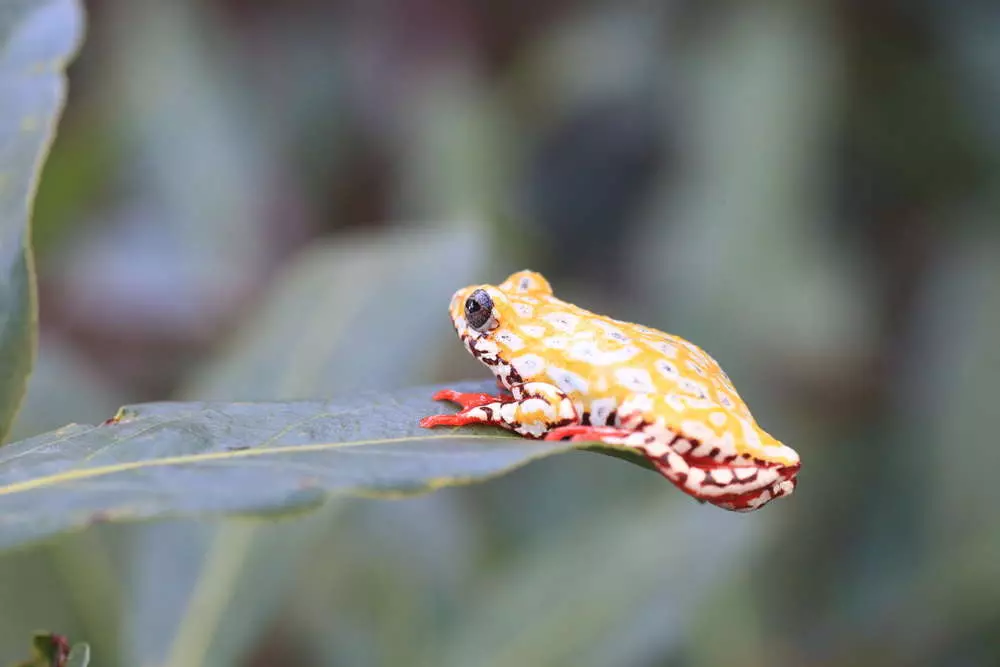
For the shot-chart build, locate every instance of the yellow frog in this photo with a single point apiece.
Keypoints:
(576, 375)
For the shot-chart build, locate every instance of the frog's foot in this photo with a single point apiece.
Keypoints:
(467, 400)
(477, 408)
(534, 409)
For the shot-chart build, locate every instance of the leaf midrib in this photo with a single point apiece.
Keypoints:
(78, 474)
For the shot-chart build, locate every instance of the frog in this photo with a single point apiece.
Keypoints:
(567, 374)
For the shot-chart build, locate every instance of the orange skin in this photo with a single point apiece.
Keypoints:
(575, 375)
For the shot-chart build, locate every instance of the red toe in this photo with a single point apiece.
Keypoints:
(469, 400)
(442, 420)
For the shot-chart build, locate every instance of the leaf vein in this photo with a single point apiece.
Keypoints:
(77, 474)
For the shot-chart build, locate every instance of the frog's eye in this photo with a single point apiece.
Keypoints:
(478, 309)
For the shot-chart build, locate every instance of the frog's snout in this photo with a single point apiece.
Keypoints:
(456, 299)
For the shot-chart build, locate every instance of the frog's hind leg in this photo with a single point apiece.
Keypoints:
(534, 409)
(738, 488)
(581, 433)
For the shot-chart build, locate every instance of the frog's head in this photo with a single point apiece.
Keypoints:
(484, 314)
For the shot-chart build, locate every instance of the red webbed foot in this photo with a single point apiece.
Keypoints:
(468, 402)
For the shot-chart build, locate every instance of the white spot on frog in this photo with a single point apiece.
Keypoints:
(611, 331)
(693, 388)
(486, 347)
(669, 350)
(524, 310)
(634, 410)
(718, 419)
(699, 369)
(635, 379)
(533, 429)
(508, 412)
(600, 409)
(724, 399)
(675, 403)
(666, 369)
(699, 403)
(533, 330)
(510, 340)
(722, 477)
(682, 446)
(590, 352)
(569, 382)
(556, 342)
(528, 365)
(702, 432)
(565, 322)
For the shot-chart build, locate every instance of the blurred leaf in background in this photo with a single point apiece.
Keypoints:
(256, 200)
(55, 651)
(37, 39)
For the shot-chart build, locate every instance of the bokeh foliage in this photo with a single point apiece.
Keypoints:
(36, 41)
(273, 200)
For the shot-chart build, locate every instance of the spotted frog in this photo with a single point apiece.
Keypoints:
(569, 374)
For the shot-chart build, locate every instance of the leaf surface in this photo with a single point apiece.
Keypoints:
(172, 459)
(37, 38)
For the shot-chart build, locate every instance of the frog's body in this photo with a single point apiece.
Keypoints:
(573, 374)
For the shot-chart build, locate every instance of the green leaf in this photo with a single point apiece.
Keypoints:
(37, 38)
(173, 459)
(328, 325)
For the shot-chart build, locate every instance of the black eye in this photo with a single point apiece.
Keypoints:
(478, 309)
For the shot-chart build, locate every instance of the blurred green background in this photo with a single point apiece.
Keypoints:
(253, 200)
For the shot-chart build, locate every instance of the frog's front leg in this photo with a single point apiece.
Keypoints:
(533, 409)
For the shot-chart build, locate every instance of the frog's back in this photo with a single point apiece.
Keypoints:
(596, 358)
